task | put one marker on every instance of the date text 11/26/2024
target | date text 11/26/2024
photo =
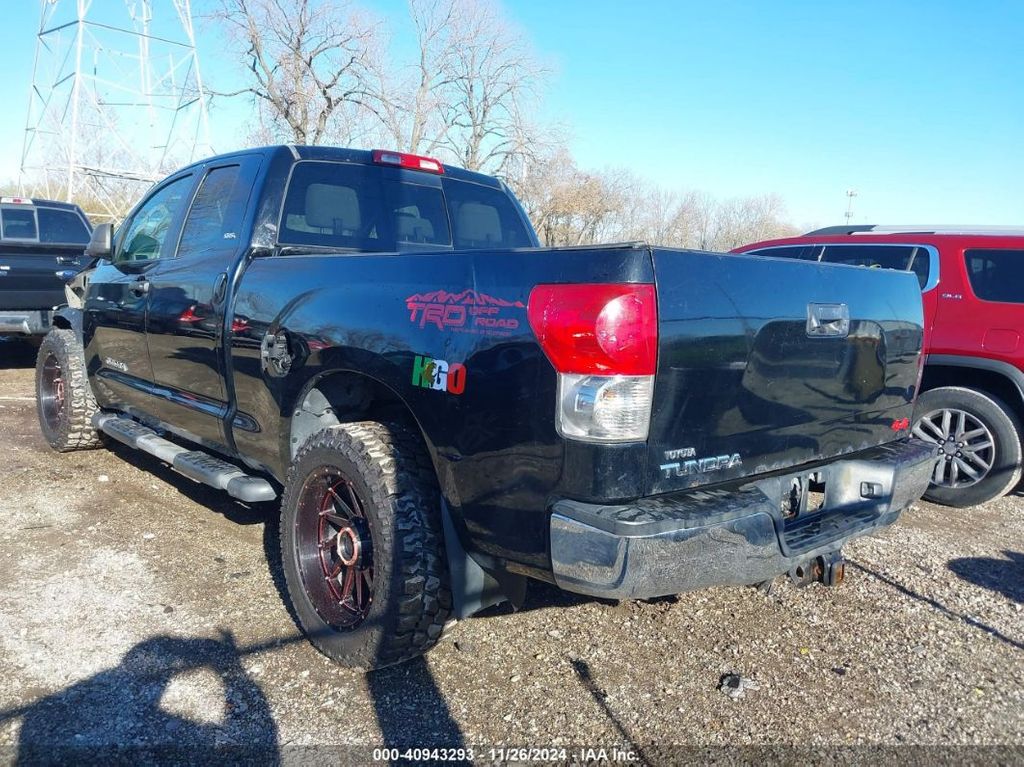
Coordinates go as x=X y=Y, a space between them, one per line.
x=506 y=754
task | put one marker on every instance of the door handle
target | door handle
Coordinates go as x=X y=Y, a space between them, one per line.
x=828 y=320
x=140 y=287
x=219 y=287
x=67 y=259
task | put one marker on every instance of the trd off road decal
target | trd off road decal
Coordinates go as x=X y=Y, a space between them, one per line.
x=465 y=312
x=440 y=375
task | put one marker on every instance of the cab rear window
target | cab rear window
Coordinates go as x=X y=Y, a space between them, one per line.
x=62 y=226
x=43 y=224
x=357 y=207
x=996 y=275
x=18 y=223
x=350 y=206
x=483 y=217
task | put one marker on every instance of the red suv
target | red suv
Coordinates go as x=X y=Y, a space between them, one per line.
x=972 y=394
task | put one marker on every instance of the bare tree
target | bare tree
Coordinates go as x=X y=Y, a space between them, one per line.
x=409 y=100
x=569 y=206
x=493 y=74
x=748 y=219
x=464 y=97
x=308 y=63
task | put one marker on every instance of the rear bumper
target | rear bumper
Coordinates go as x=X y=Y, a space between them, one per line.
x=735 y=536
x=25 y=323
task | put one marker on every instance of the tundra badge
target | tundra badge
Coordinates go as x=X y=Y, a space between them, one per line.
x=699 y=465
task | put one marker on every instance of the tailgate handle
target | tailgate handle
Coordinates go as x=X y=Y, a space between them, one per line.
x=828 y=320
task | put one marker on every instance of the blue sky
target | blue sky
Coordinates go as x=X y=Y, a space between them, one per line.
x=919 y=106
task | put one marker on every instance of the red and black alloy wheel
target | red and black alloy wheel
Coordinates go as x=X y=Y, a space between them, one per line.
x=362 y=545
x=334 y=548
x=64 y=399
x=52 y=397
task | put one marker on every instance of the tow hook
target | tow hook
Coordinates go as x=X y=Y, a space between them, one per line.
x=827 y=569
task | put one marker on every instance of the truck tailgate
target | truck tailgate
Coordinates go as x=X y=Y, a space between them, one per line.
x=767 y=363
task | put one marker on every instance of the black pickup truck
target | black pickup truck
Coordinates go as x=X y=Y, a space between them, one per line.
x=41 y=246
x=447 y=410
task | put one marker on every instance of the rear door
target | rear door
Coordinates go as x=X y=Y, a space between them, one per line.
x=994 y=323
x=185 y=319
x=114 y=320
x=767 y=363
x=37 y=242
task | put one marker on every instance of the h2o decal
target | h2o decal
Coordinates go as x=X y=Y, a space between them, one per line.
x=439 y=375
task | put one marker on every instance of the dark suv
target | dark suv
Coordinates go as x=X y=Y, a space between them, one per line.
x=972 y=284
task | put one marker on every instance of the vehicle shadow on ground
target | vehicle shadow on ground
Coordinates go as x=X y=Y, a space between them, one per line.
x=1004 y=576
x=410 y=708
x=16 y=354
x=583 y=672
x=544 y=596
x=121 y=713
x=967 y=619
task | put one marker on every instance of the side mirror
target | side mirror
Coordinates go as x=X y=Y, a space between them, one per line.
x=100 y=244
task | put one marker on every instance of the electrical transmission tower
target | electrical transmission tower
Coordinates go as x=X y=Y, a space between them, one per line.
x=117 y=101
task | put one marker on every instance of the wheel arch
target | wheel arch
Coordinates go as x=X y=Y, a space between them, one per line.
x=341 y=395
x=992 y=377
x=68 y=318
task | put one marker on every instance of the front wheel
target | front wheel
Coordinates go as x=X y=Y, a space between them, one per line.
x=362 y=545
x=64 y=399
x=979 y=439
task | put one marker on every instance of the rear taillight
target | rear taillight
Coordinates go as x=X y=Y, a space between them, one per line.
x=406 y=160
x=603 y=342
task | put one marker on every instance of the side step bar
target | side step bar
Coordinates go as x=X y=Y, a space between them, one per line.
x=194 y=464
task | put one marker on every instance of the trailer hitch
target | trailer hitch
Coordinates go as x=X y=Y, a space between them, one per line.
x=827 y=569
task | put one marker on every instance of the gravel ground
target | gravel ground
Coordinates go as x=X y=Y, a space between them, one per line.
x=139 y=608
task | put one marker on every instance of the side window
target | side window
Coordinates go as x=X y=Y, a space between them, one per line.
x=215 y=218
x=483 y=217
x=144 y=237
x=871 y=256
x=921 y=265
x=63 y=226
x=996 y=275
x=19 y=224
x=903 y=258
x=800 y=252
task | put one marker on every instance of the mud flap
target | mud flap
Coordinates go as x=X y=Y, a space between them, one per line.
x=473 y=588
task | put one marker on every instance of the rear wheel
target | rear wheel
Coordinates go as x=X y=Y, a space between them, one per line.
x=979 y=439
x=362 y=546
x=64 y=399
